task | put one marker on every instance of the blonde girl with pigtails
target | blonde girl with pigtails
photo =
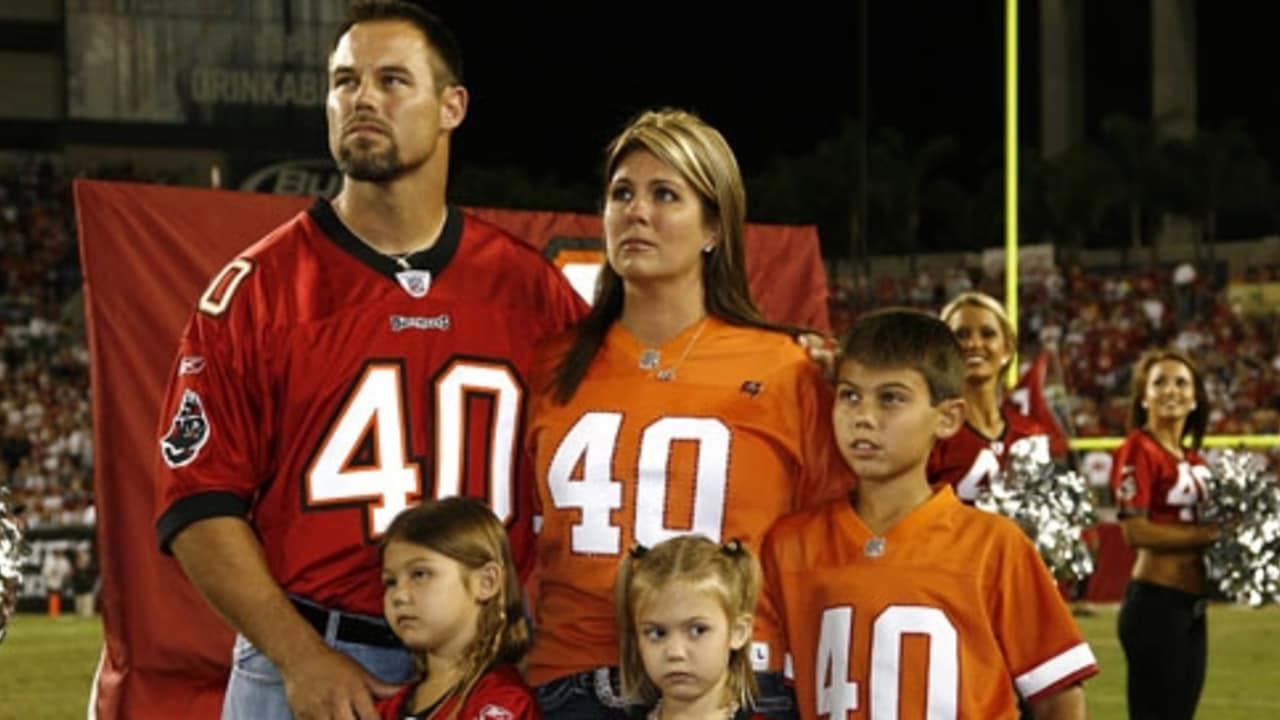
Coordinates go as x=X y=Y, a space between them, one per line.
x=686 y=608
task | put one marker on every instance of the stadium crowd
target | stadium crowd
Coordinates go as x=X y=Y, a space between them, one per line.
x=1096 y=322
x=44 y=364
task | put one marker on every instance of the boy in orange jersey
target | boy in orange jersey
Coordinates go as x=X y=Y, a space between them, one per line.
x=901 y=601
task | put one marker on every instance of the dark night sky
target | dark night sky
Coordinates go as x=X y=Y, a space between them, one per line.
x=551 y=82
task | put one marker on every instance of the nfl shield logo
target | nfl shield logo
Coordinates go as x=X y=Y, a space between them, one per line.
x=875 y=547
x=415 y=282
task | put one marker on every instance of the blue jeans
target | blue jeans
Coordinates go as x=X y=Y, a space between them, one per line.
x=777 y=700
x=255 y=690
x=595 y=695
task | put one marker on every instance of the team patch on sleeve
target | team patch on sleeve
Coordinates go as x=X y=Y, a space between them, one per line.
x=191 y=365
x=494 y=712
x=188 y=433
x=1128 y=489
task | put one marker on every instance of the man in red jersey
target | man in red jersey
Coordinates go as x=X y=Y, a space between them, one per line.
x=367 y=353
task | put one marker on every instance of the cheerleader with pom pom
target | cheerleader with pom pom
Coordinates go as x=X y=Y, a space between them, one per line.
x=1159 y=478
x=970 y=458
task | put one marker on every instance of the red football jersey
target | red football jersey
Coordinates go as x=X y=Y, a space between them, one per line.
x=967 y=459
x=1149 y=480
x=320 y=389
x=739 y=437
x=941 y=617
x=499 y=695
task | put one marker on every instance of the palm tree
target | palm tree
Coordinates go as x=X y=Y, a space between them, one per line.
x=1135 y=173
x=1070 y=195
x=817 y=186
x=902 y=180
x=1217 y=170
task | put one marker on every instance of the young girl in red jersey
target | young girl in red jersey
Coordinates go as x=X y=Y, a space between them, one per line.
x=685 y=616
x=988 y=339
x=1159 y=477
x=453 y=596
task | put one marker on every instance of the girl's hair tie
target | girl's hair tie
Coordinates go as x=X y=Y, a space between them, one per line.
x=733 y=548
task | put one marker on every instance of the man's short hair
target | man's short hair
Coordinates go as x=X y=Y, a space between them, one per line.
x=446 y=62
x=907 y=338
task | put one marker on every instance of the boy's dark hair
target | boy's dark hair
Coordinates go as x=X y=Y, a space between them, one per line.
x=446 y=60
x=907 y=338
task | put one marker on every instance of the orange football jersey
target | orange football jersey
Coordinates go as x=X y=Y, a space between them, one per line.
x=740 y=436
x=942 y=617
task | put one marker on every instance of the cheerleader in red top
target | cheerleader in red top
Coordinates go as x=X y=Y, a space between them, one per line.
x=967 y=459
x=1159 y=477
x=452 y=595
x=686 y=610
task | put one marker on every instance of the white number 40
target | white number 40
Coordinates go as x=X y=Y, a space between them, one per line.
x=596 y=494
x=391 y=481
x=837 y=695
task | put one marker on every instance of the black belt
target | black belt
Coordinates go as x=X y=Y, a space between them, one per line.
x=351 y=628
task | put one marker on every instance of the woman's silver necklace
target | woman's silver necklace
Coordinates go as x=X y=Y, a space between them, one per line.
x=651 y=358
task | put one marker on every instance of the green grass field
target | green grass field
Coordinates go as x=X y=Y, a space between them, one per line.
x=46 y=666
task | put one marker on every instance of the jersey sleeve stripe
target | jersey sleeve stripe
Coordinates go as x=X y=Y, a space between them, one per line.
x=197 y=507
x=1076 y=662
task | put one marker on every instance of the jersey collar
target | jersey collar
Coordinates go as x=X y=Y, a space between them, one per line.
x=434 y=259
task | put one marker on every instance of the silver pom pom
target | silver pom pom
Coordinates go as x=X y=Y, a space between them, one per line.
x=1245 y=560
x=12 y=550
x=1052 y=506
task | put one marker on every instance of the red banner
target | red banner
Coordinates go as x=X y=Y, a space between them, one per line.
x=147 y=253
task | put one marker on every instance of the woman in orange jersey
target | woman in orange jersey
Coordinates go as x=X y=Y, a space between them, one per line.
x=1159 y=480
x=673 y=408
x=988 y=339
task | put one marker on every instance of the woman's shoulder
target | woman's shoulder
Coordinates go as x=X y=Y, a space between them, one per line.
x=765 y=345
x=1137 y=440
